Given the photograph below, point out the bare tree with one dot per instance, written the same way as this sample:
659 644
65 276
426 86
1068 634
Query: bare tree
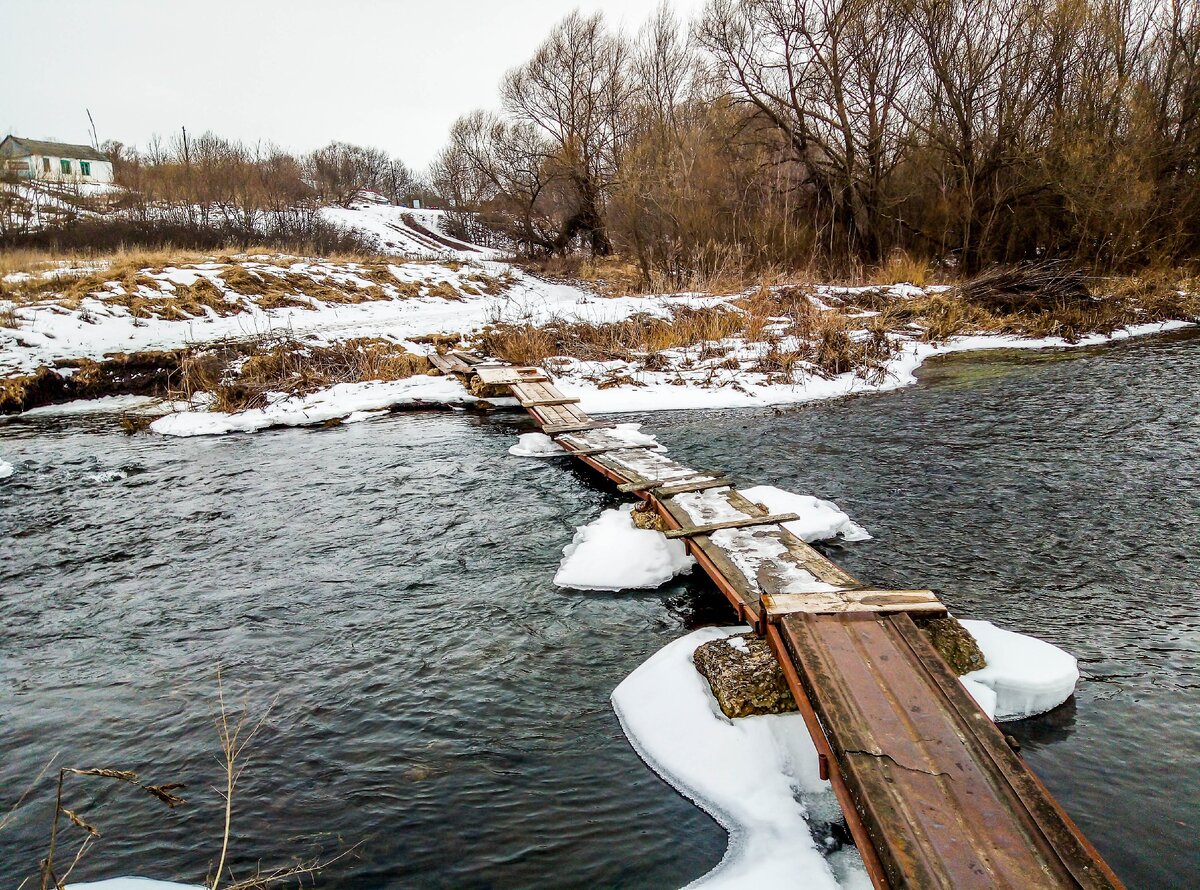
342 172
576 92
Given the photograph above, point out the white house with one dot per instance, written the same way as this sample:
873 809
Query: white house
53 161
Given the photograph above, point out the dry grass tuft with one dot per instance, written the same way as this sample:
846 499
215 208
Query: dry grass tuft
634 338
249 374
902 268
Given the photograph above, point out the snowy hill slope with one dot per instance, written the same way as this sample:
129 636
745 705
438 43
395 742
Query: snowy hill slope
405 232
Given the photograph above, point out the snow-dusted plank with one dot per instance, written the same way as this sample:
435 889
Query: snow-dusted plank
662 487
449 364
744 522
506 375
604 449
831 602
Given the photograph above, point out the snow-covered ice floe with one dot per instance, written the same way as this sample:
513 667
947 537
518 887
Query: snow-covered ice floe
757 776
133 884
6 469
612 553
343 400
819 520
536 445
1025 676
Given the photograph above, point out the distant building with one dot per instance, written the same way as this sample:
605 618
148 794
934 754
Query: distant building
53 161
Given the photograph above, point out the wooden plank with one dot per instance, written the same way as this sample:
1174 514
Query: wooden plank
801 554
506 375
651 484
688 531
533 390
554 429
602 449
921 763
545 403
741 592
1070 844
449 364
670 490
469 358
832 602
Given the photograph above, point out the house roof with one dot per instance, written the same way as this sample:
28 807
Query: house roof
19 147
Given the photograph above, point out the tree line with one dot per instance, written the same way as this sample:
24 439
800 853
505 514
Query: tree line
207 191
772 132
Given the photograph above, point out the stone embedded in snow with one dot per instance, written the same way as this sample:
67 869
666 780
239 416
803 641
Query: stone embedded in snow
536 445
757 776
613 554
744 676
132 883
819 520
1028 676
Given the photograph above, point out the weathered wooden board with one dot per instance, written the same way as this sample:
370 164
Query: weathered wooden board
666 491
601 449
689 530
470 358
554 429
543 403
449 364
832 602
946 802
506 375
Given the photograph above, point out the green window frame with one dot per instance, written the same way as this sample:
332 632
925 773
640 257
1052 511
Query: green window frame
85 168
65 165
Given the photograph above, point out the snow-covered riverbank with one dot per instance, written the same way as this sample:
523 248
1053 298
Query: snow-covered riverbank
412 304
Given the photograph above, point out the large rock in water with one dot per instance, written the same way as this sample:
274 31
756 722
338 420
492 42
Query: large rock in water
953 643
744 676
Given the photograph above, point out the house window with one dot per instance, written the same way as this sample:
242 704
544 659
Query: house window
66 166
85 168
45 165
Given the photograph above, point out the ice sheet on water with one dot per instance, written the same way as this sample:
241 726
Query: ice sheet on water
1028 676
819 520
536 445
757 776
129 883
984 696
6 469
611 553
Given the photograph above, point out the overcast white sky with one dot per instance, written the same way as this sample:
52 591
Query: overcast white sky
390 73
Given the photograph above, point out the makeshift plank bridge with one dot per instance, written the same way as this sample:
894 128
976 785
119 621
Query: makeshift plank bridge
933 794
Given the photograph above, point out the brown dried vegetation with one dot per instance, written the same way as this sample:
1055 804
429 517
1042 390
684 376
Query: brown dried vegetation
247 375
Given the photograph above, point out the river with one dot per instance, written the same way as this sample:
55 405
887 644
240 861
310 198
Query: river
381 592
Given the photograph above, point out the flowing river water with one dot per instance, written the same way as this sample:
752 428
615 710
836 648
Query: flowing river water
384 590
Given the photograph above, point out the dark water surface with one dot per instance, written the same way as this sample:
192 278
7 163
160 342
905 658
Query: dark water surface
439 703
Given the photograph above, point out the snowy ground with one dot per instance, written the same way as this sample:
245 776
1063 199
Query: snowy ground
407 232
461 294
